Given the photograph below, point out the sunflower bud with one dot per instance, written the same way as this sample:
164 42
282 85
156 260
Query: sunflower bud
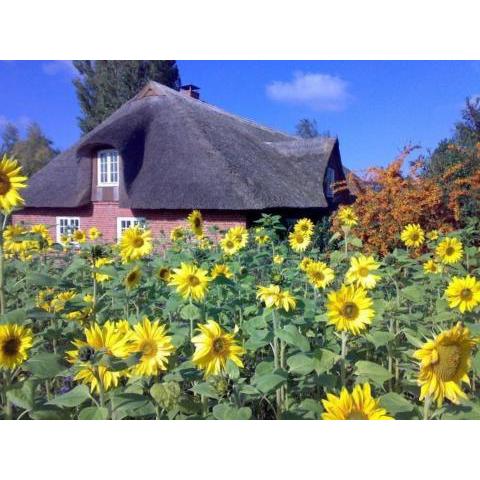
86 354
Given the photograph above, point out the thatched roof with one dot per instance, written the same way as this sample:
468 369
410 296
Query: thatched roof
181 153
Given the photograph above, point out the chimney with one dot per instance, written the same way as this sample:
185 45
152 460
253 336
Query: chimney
190 91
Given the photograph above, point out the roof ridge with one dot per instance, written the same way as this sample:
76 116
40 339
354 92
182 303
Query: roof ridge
170 91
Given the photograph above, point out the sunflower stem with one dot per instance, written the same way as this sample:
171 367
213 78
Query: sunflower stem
8 404
3 221
426 407
343 365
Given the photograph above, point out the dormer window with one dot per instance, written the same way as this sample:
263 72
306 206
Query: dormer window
329 182
108 168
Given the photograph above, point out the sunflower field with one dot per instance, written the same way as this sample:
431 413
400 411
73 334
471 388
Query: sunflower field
258 323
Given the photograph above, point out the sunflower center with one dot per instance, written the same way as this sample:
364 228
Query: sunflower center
350 310
193 280
149 348
5 184
11 347
449 251
466 294
319 276
138 242
449 357
357 415
132 277
230 244
218 346
197 223
363 272
415 237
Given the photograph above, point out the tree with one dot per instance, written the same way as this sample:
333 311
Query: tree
104 85
33 152
306 128
456 162
10 137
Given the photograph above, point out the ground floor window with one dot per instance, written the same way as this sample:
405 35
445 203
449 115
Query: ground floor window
126 222
66 226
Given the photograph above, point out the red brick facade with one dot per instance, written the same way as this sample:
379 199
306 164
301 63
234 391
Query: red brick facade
103 215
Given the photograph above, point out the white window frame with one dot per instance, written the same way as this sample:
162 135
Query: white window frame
112 174
66 222
329 181
132 222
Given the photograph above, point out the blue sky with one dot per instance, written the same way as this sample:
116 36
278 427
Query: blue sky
375 107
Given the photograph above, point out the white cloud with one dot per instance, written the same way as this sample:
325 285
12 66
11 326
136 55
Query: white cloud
318 91
56 67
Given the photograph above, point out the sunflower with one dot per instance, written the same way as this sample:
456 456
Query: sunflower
221 270
273 296
358 405
262 239
213 347
42 230
229 246
463 293
305 263
444 364
177 234
106 338
99 263
164 274
430 266
239 235
299 241
305 226
450 250
14 239
191 281
135 243
350 309
151 340
133 278
60 300
94 233
79 236
11 181
278 259
347 216
360 272
319 274
15 341
196 223
433 235
413 235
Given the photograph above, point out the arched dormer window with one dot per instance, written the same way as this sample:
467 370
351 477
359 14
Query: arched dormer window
329 182
108 165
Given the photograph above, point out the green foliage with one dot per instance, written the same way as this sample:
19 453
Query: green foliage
104 85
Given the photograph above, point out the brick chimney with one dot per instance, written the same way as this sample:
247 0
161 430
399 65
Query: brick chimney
190 91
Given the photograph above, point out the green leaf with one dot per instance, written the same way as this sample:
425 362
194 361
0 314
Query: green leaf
232 370
311 405
23 397
49 412
129 401
45 365
395 403
292 336
379 338
301 364
93 413
271 381
16 316
205 389
41 279
372 371
355 241
223 411
476 363
414 293
73 398
190 312
324 360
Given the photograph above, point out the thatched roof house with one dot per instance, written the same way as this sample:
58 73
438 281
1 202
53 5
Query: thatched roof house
164 153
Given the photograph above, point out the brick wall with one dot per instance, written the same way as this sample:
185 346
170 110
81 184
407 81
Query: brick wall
103 215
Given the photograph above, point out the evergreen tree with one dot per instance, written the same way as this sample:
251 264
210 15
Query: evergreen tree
33 152
104 85
306 128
